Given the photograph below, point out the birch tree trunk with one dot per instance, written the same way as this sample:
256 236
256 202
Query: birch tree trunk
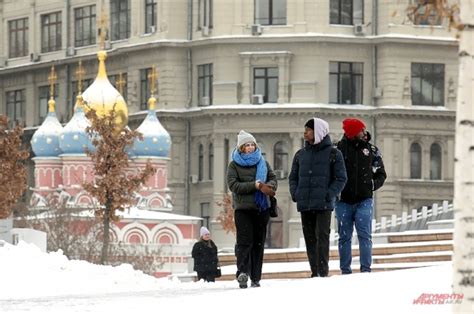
463 275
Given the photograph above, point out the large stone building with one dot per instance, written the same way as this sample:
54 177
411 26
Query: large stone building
265 66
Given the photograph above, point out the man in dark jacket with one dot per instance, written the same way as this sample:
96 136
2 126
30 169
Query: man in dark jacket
366 173
317 176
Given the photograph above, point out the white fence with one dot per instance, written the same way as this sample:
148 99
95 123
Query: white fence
417 220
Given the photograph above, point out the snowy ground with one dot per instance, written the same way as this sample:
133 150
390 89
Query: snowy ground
35 282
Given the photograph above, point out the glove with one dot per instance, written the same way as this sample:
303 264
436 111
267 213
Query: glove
266 189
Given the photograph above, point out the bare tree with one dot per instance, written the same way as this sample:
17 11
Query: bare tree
76 235
12 167
113 188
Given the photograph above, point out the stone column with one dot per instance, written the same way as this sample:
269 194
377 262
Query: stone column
300 23
246 89
283 78
137 24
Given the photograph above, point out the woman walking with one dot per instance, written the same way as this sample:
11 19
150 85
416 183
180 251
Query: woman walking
252 182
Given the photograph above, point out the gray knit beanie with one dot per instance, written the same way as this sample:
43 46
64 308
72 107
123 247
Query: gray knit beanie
244 138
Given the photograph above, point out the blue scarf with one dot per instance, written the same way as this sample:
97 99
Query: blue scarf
252 159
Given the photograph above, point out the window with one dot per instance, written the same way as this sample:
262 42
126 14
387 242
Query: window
115 78
15 104
144 88
345 82
280 159
150 16
201 163
120 19
270 12
427 84
84 26
435 162
51 32
415 161
346 12
426 14
205 14
205 214
211 161
43 98
205 84
18 38
265 82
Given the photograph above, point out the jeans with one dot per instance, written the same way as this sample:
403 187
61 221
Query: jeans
316 229
360 215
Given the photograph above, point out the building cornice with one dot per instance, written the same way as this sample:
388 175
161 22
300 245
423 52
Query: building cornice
301 109
121 48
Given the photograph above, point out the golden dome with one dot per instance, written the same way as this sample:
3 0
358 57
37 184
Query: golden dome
102 95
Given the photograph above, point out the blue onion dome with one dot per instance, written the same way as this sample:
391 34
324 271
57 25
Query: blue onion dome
156 140
74 139
45 141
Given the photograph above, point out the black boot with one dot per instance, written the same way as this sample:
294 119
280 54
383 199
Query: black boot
242 279
255 284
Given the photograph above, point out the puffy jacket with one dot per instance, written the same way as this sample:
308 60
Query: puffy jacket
205 256
241 181
316 181
365 169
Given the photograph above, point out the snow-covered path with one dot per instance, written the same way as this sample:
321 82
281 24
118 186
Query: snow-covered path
54 285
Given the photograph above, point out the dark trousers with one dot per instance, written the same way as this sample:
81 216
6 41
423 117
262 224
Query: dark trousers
251 228
316 229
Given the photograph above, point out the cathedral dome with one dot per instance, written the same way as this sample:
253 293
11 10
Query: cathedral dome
45 141
102 96
74 139
156 140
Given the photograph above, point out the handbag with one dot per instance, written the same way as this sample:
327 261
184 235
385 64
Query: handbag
273 207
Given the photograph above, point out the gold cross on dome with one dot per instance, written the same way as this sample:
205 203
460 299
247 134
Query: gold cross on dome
52 77
153 76
120 82
79 76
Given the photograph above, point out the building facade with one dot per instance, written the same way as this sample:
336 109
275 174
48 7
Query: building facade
265 66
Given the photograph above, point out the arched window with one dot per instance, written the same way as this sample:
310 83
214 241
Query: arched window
211 161
435 162
415 161
280 157
201 162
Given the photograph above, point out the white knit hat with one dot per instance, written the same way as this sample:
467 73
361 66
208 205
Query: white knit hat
244 138
204 231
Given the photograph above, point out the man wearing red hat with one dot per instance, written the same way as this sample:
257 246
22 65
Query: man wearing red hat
365 174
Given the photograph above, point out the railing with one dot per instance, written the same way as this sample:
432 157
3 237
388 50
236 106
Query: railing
416 221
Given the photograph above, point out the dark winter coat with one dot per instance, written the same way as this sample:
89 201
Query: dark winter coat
205 256
365 169
241 181
315 181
